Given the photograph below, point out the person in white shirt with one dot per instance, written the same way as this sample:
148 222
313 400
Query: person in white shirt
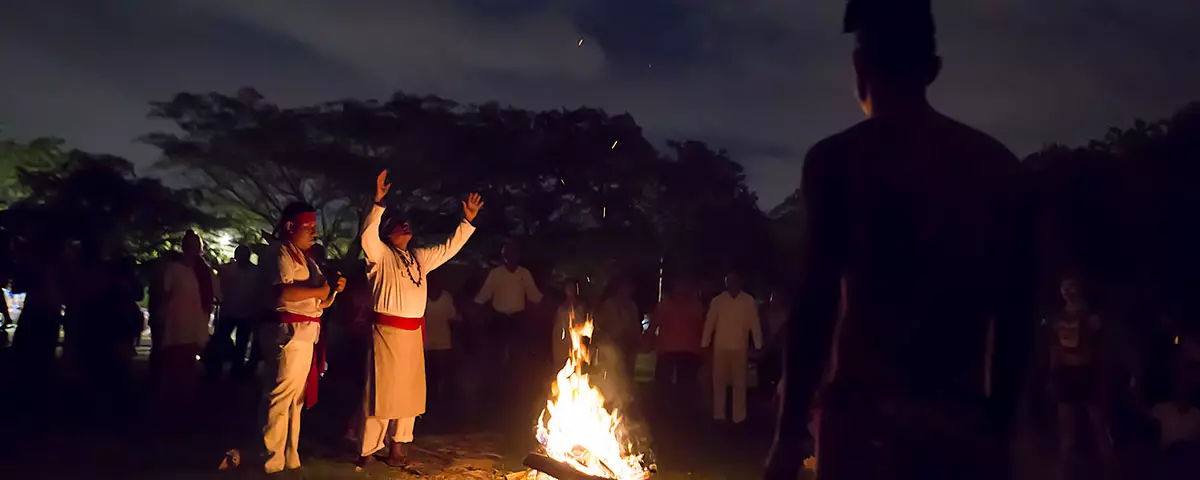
439 314
186 289
395 386
291 345
508 287
239 293
732 317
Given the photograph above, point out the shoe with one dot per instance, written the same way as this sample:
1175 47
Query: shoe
364 462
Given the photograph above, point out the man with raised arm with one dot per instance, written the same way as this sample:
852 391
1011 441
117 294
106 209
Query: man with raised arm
923 218
395 388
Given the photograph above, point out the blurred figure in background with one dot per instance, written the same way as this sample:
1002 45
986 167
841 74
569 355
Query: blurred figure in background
678 325
571 312
439 314
187 292
770 366
240 296
618 333
1077 374
508 288
731 324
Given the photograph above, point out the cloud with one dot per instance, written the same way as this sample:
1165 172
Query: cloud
764 78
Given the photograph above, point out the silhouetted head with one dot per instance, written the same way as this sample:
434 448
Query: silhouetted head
511 255
895 53
397 232
298 225
241 255
571 289
733 283
191 245
1071 290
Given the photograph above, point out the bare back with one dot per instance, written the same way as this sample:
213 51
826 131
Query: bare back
925 215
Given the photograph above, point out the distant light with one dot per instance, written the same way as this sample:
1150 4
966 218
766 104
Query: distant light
604 212
197 357
1177 339
589 279
614 146
564 182
580 42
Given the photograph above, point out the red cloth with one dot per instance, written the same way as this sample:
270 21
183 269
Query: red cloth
318 360
403 323
680 325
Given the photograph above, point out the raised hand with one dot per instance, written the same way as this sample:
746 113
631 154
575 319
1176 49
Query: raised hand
341 284
382 186
472 205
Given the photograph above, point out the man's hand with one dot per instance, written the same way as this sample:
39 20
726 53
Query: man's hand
382 186
471 205
341 284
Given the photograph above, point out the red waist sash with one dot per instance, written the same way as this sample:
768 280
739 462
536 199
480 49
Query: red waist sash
318 360
403 323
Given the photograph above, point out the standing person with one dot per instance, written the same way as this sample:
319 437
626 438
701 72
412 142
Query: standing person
731 324
508 287
36 337
618 334
292 344
1076 371
240 297
187 301
395 387
571 312
439 313
678 322
923 216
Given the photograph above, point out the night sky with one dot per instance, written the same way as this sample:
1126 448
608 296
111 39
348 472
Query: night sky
762 78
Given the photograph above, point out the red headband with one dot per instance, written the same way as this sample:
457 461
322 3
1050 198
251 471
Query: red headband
305 217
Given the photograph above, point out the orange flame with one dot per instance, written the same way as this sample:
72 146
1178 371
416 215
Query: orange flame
576 429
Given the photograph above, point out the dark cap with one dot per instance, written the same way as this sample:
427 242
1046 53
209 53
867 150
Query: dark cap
890 17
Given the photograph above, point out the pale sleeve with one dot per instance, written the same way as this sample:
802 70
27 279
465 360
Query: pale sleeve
755 325
433 257
485 292
531 290
710 323
279 267
216 282
373 247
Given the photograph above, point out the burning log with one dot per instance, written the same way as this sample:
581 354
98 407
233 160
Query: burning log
556 469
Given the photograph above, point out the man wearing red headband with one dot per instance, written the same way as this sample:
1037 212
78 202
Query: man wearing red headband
290 342
395 387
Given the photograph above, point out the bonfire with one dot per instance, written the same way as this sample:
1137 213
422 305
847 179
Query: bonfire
577 431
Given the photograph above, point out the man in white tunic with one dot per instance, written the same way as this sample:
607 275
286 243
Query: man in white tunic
732 317
290 343
395 387
508 287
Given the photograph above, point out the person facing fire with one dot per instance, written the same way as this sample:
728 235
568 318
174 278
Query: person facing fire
395 386
1075 371
291 344
731 324
924 218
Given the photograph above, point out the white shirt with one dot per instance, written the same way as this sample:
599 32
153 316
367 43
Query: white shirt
394 292
438 314
730 320
281 268
1176 426
186 321
508 289
240 291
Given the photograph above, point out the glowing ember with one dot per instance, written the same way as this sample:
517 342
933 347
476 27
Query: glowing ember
576 429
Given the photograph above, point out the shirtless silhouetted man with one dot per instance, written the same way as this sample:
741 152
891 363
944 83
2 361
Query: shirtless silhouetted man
923 218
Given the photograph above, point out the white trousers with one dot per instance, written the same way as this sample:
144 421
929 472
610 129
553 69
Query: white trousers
285 401
377 429
729 370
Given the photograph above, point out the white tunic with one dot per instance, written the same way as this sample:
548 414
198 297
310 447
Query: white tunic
283 269
186 321
438 315
396 377
730 321
508 290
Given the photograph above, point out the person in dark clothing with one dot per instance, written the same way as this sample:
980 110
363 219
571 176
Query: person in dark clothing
923 218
